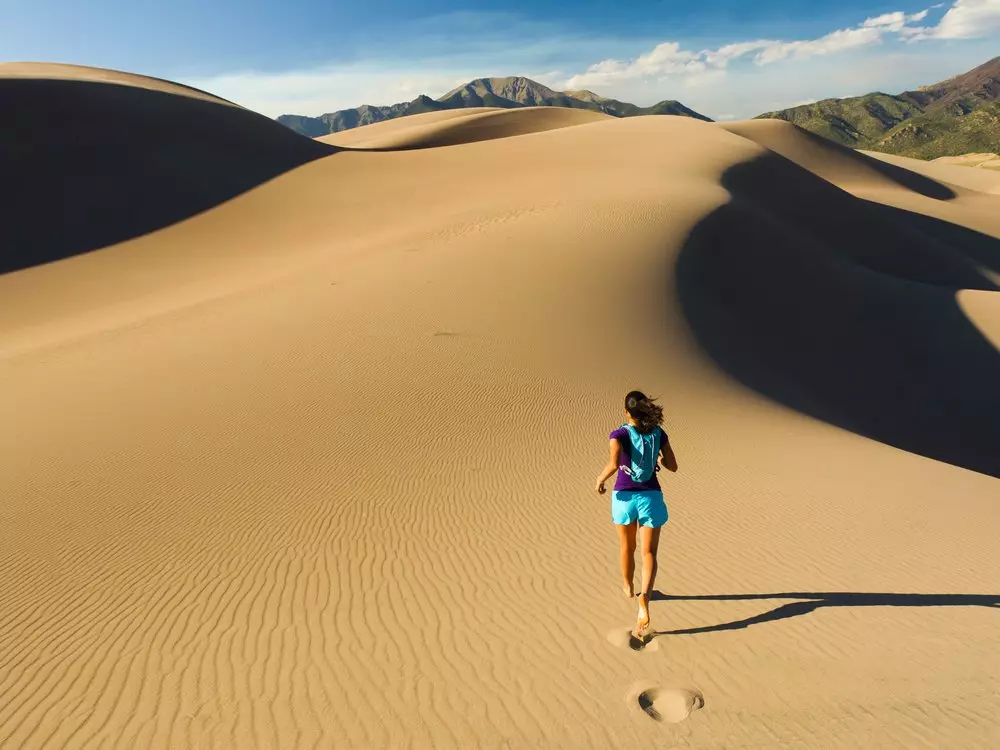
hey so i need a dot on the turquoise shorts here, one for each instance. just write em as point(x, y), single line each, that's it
point(645, 506)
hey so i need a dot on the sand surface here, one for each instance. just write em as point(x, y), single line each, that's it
point(954, 173)
point(966, 158)
point(311, 465)
point(983, 161)
point(454, 127)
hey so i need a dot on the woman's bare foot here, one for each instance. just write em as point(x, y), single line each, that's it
point(642, 619)
point(628, 590)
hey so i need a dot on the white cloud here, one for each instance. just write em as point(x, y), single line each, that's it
point(895, 21)
point(664, 59)
point(721, 57)
point(670, 59)
point(967, 19)
point(836, 41)
point(710, 80)
point(701, 80)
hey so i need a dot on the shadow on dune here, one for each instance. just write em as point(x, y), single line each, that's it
point(810, 602)
point(979, 247)
point(88, 164)
point(489, 126)
point(811, 150)
point(914, 181)
point(846, 310)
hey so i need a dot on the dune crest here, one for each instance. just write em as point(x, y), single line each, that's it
point(311, 465)
point(64, 72)
point(455, 127)
point(102, 157)
point(981, 180)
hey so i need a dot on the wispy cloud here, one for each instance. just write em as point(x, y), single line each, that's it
point(663, 60)
point(740, 76)
point(966, 19)
point(895, 21)
point(671, 59)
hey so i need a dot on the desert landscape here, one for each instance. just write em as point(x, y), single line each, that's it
point(299, 434)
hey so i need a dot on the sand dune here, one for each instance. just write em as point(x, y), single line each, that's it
point(848, 169)
point(987, 160)
point(354, 136)
point(480, 124)
point(312, 466)
point(817, 288)
point(972, 179)
point(79, 73)
point(965, 158)
point(102, 157)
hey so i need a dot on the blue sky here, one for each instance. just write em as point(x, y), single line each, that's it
point(726, 58)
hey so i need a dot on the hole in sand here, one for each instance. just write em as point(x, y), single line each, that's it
point(623, 638)
point(672, 705)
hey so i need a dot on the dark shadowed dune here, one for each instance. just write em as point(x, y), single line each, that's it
point(86, 164)
point(846, 310)
point(831, 160)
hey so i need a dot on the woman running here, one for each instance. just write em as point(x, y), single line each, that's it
point(637, 502)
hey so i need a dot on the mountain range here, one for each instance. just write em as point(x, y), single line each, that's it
point(956, 116)
point(508, 93)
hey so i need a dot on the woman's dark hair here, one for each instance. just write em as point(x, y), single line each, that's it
point(648, 415)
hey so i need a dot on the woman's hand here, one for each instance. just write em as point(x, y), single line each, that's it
point(614, 450)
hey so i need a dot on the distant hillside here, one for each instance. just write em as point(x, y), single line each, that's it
point(956, 116)
point(483, 92)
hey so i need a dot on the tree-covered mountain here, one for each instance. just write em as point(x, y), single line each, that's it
point(956, 116)
point(508, 93)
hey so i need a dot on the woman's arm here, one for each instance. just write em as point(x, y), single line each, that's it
point(614, 450)
point(667, 458)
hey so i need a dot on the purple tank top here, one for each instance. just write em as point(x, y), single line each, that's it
point(624, 481)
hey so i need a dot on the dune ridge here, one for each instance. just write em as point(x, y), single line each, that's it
point(312, 466)
point(141, 154)
point(80, 73)
point(432, 130)
point(981, 161)
point(974, 179)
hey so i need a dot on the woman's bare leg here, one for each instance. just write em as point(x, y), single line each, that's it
point(626, 536)
point(650, 542)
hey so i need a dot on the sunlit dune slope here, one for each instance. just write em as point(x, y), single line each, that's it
point(432, 130)
point(354, 136)
point(312, 463)
point(973, 179)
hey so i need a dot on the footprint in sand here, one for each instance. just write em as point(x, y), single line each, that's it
point(672, 705)
point(623, 638)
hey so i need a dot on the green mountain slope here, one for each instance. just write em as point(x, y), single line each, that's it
point(956, 116)
point(508, 93)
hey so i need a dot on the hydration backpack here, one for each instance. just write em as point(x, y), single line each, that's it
point(645, 449)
